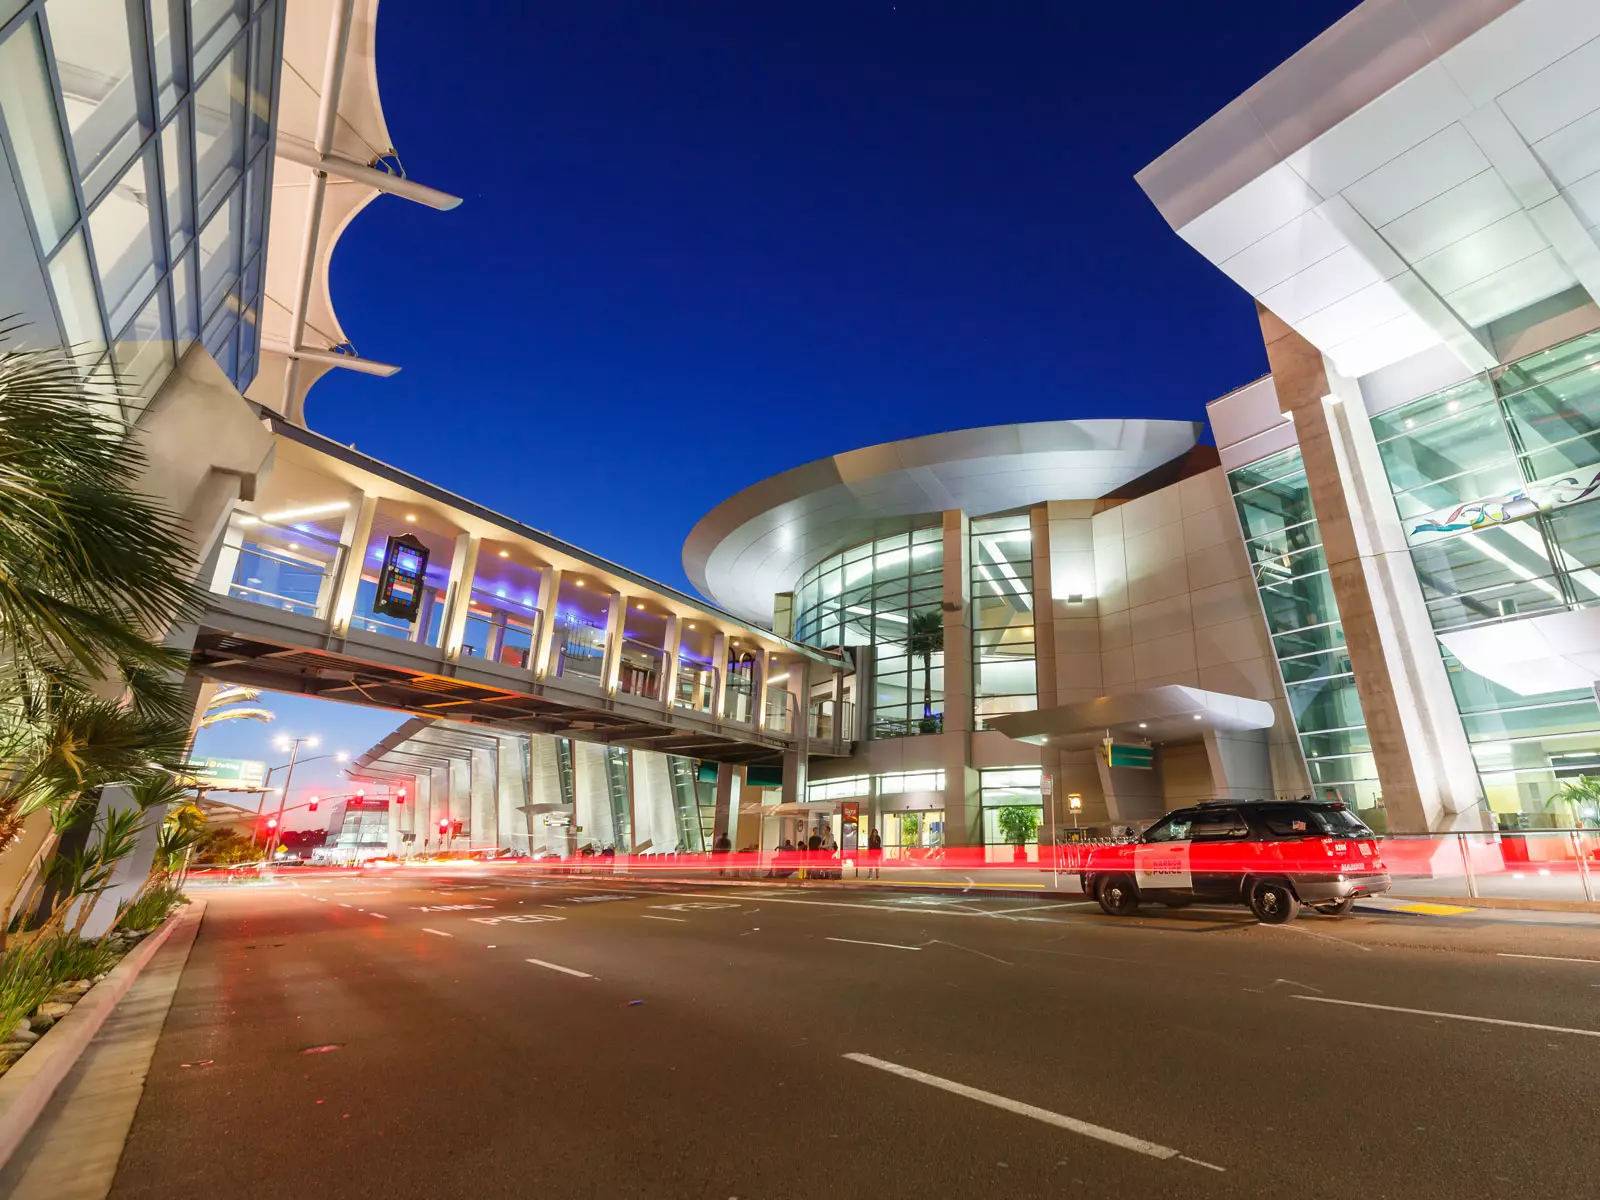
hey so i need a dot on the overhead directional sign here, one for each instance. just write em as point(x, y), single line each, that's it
point(239, 774)
point(1122, 754)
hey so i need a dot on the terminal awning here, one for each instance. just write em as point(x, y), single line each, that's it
point(1556, 652)
point(1159, 714)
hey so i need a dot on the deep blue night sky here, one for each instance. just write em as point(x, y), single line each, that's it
point(704, 242)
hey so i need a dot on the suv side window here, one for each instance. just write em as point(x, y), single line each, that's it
point(1172, 828)
point(1287, 821)
point(1219, 824)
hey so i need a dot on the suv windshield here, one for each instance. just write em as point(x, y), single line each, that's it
point(1312, 820)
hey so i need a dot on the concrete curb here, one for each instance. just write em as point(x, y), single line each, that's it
point(1507, 902)
point(28, 1086)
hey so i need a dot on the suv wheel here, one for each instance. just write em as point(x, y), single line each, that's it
point(1274, 903)
point(1118, 895)
point(1337, 908)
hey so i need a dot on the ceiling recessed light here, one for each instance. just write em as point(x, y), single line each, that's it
point(505, 554)
point(691, 624)
point(294, 545)
point(1197, 716)
point(640, 607)
point(1144, 725)
point(411, 518)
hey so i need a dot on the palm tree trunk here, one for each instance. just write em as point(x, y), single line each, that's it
point(927, 685)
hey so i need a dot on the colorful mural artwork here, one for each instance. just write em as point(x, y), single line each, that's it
point(1515, 505)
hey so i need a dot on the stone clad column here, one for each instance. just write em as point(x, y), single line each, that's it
point(961, 796)
point(1424, 761)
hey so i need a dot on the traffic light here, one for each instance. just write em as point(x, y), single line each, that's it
point(361, 793)
point(272, 822)
point(444, 825)
point(455, 829)
point(315, 800)
point(400, 796)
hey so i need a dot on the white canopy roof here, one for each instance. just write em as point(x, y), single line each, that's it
point(1421, 169)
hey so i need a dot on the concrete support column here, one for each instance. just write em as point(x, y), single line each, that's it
point(497, 636)
point(671, 642)
point(730, 785)
point(355, 535)
point(424, 621)
point(719, 674)
point(463, 567)
point(1241, 768)
point(458, 807)
point(961, 796)
point(1131, 795)
point(549, 593)
point(758, 689)
point(1424, 761)
point(485, 784)
point(611, 664)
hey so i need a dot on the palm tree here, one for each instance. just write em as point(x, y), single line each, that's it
point(924, 639)
point(234, 703)
point(91, 572)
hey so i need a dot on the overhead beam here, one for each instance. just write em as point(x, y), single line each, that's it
point(298, 151)
point(349, 362)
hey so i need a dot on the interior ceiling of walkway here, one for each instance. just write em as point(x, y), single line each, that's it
point(331, 133)
point(1423, 168)
point(760, 541)
point(258, 662)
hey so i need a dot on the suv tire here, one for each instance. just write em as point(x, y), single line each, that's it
point(1274, 903)
point(1117, 895)
point(1337, 908)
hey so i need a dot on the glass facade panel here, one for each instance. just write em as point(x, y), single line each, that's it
point(1004, 679)
point(39, 157)
point(169, 36)
point(73, 283)
point(884, 594)
point(219, 129)
point(125, 229)
point(1012, 801)
point(1291, 575)
point(143, 354)
point(1508, 550)
point(213, 24)
point(219, 255)
point(180, 186)
point(93, 43)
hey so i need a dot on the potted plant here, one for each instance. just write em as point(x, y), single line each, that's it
point(1019, 825)
point(924, 639)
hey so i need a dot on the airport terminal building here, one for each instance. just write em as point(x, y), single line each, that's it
point(1376, 580)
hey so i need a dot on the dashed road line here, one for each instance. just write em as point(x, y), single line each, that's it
point(539, 962)
point(1426, 1012)
point(885, 945)
point(437, 932)
point(1594, 962)
point(653, 917)
point(1124, 1141)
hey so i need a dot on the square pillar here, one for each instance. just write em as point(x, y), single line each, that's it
point(355, 535)
point(719, 674)
point(611, 664)
point(549, 592)
point(671, 643)
point(961, 795)
point(463, 568)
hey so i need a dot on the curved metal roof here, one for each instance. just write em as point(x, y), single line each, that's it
point(758, 542)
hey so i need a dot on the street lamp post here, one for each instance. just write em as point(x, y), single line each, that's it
point(293, 746)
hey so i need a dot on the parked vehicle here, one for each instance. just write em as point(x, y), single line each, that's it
point(1272, 855)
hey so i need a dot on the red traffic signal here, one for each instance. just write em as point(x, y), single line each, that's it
point(315, 800)
point(444, 824)
point(455, 828)
point(402, 795)
point(361, 793)
point(272, 822)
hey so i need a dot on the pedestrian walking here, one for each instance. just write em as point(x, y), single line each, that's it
point(874, 853)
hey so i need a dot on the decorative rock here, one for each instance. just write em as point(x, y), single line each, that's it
point(43, 1024)
point(51, 1010)
point(10, 1052)
point(22, 1035)
point(97, 979)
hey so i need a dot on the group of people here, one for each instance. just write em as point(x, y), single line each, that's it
point(815, 857)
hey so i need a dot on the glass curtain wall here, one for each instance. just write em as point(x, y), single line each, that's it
point(1004, 678)
point(1492, 479)
point(885, 594)
point(1291, 575)
point(140, 131)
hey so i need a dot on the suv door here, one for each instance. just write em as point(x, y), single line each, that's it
point(1218, 846)
point(1161, 858)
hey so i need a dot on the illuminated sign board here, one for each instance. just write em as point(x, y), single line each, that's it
point(237, 774)
point(404, 575)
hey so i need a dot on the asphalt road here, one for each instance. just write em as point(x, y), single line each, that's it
point(435, 1035)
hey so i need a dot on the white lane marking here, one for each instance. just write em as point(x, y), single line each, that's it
point(653, 917)
point(1039, 907)
point(1553, 958)
point(1313, 933)
point(918, 909)
point(1124, 1141)
point(380, 916)
point(342, 904)
point(539, 962)
point(885, 945)
point(1426, 1012)
point(437, 932)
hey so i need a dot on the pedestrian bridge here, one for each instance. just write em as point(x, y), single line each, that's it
point(514, 629)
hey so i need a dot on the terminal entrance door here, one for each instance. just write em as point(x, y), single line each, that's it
point(909, 836)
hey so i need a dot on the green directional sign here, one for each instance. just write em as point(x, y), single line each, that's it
point(1117, 754)
point(241, 774)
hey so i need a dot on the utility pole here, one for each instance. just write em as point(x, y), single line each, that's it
point(293, 746)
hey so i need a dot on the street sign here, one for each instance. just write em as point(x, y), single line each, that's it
point(237, 774)
point(849, 826)
point(1136, 757)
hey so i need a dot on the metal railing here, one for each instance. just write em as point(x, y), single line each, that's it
point(640, 671)
point(782, 716)
point(1544, 864)
point(292, 570)
point(501, 633)
point(697, 687)
point(579, 651)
